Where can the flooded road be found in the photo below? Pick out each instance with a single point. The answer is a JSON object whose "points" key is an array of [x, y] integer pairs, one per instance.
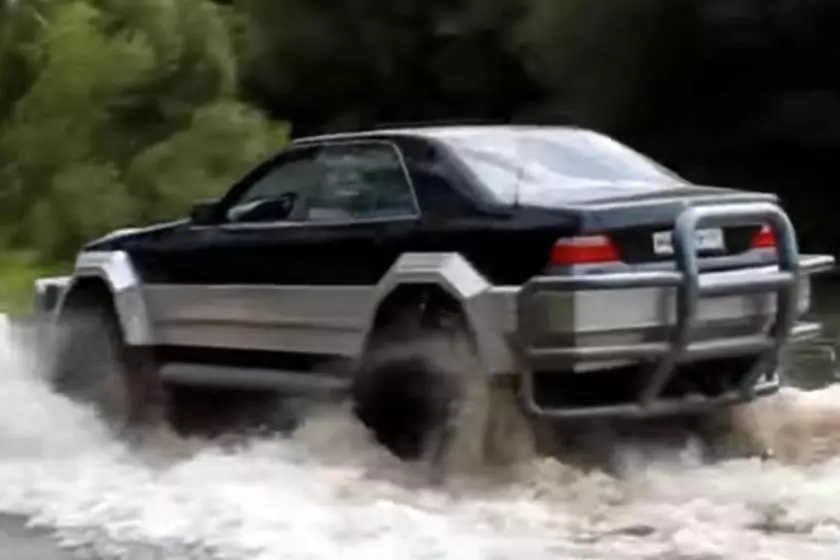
{"points": [[328, 492]]}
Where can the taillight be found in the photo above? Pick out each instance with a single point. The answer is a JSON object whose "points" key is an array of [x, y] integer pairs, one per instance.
{"points": [[764, 238], [583, 250]]}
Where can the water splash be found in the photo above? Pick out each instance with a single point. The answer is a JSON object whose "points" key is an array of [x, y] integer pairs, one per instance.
{"points": [[328, 491]]}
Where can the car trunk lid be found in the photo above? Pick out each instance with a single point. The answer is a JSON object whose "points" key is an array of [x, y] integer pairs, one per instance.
{"points": [[640, 227]]}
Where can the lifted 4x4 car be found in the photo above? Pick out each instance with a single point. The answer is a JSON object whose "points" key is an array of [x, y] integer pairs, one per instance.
{"points": [[403, 267]]}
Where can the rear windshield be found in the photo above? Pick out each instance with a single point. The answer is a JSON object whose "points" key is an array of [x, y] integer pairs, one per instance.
{"points": [[561, 164]]}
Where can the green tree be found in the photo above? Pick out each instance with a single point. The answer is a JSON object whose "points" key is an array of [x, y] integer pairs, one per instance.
{"points": [[118, 112], [355, 63]]}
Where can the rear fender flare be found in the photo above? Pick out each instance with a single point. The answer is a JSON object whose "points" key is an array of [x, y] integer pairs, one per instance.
{"points": [[456, 276]]}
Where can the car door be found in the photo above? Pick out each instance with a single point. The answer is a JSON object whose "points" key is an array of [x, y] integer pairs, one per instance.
{"points": [[292, 263]]}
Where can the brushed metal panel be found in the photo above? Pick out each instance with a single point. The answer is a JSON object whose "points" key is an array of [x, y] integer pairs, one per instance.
{"points": [[322, 319]]}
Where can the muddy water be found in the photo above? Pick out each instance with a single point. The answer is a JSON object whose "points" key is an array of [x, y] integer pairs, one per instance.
{"points": [[328, 492]]}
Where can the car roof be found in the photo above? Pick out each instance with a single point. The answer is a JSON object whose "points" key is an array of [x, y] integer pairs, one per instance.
{"points": [[433, 131]]}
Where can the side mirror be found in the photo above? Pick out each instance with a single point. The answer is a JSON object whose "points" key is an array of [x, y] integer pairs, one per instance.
{"points": [[204, 212]]}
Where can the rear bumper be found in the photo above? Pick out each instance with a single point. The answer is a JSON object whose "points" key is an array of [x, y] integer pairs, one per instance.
{"points": [[666, 320]]}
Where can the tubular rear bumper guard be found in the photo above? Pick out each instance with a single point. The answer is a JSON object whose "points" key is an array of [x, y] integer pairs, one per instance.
{"points": [[690, 286]]}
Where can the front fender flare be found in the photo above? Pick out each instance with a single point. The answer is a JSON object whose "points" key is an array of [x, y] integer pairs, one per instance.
{"points": [[117, 271]]}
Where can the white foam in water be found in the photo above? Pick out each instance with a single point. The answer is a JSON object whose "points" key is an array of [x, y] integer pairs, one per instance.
{"points": [[328, 493]]}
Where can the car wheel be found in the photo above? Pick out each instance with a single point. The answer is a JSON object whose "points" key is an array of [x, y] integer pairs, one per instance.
{"points": [[426, 397], [93, 366]]}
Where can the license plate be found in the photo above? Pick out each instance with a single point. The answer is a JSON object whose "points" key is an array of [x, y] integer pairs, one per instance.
{"points": [[704, 240]]}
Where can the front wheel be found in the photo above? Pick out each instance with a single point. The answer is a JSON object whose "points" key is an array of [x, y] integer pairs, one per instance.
{"points": [[93, 366]]}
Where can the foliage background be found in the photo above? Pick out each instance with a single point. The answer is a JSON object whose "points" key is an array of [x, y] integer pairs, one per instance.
{"points": [[122, 112]]}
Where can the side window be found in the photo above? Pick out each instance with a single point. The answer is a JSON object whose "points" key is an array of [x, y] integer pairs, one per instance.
{"points": [[434, 182], [329, 183], [277, 195], [360, 181]]}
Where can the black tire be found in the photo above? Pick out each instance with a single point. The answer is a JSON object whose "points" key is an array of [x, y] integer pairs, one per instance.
{"points": [[92, 365], [425, 396]]}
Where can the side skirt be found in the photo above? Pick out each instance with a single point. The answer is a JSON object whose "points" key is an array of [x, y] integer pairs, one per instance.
{"points": [[286, 372]]}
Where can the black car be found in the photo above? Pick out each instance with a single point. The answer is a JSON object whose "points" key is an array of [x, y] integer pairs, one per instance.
{"points": [[405, 269]]}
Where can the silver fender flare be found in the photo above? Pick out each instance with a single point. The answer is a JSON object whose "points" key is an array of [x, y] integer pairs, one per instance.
{"points": [[117, 271], [454, 274]]}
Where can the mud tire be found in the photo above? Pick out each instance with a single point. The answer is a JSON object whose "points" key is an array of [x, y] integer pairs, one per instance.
{"points": [[92, 365], [425, 396]]}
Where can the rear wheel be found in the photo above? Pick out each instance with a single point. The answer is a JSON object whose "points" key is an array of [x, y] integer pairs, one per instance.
{"points": [[93, 365], [425, 396]]}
